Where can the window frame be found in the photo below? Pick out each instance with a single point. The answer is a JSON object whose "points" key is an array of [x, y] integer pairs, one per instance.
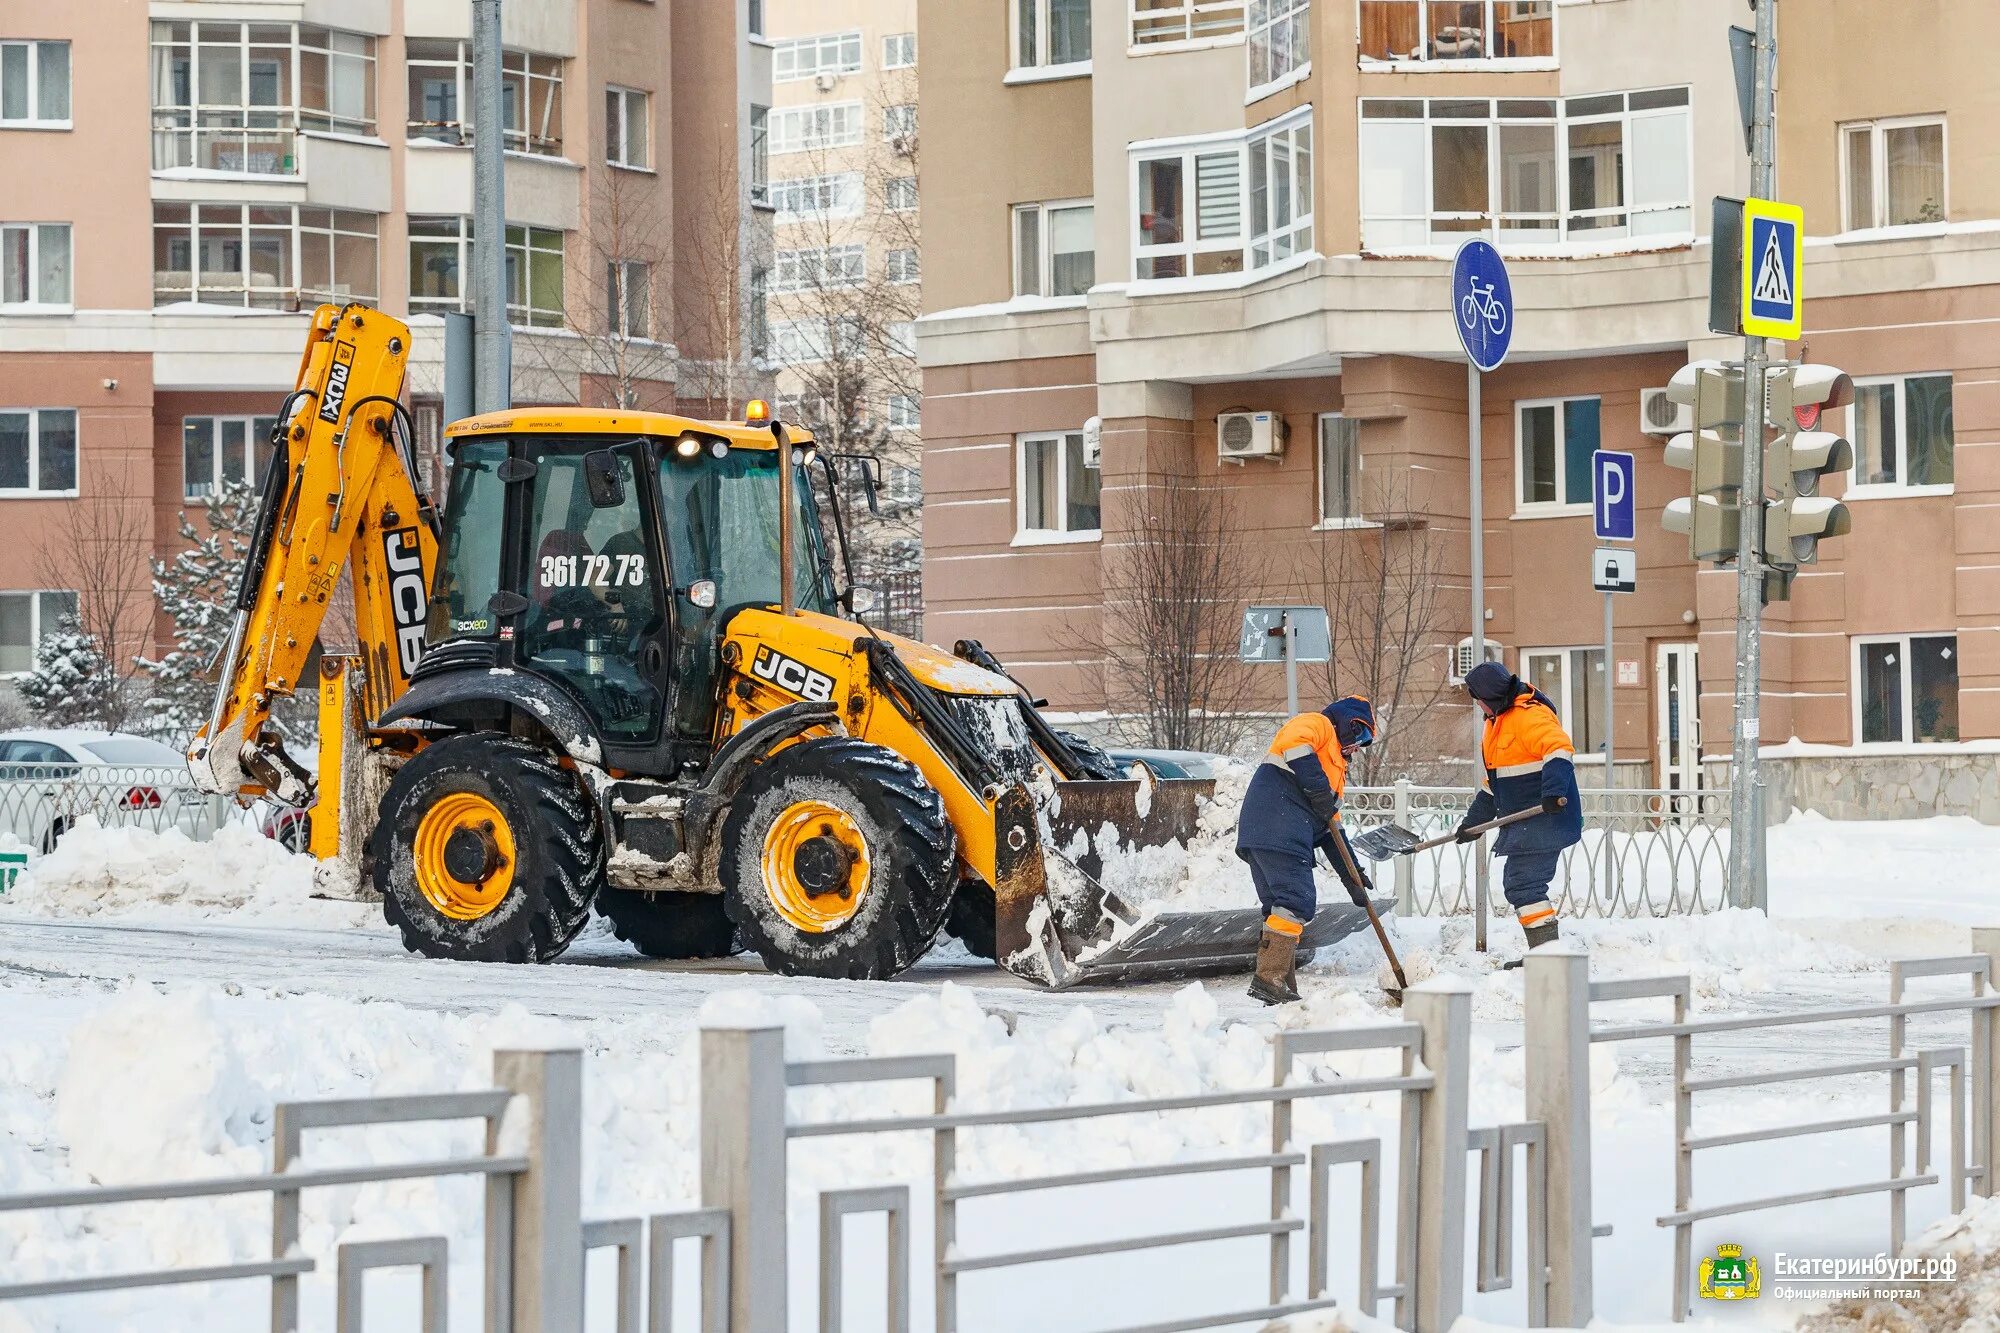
{"points": [[32, 279], [623, 97], [522, 254], [1552, 60], [251, 463], [801, 281], [1045, 285], [179, 127], [1299, 231], [1878, 167], [1027, 536], [1559, 507], [1195, 31], [835, 194], [1566, 707], [899, 194], [1857, 489], [518, 67], [839, 41], [34, 120], [1296, 235], [37, 630], [811, 140], [1274, 12], [894, 130], [34, 490], [903, 411], [618, 287], [1356, 518], [1907, 721], [894, 45], [1040, 64], [906, 260], [298, 294]]}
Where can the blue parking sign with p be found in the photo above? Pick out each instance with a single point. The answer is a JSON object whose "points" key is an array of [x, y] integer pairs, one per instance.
{"points": [[1614, 505]]}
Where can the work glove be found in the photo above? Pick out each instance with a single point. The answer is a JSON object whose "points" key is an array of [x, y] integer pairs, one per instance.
{"points": [[1361, 892], [1551, 804], [1465, 833]]}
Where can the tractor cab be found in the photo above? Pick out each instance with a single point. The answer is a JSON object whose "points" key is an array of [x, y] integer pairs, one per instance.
{"points": [[601, 553]]}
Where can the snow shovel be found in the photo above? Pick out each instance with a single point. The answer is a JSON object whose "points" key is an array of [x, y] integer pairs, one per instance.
{"points": [[1393, 840], [1395, 992]]}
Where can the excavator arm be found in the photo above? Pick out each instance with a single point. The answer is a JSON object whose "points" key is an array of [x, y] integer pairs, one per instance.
{"points": [[341, 488]]}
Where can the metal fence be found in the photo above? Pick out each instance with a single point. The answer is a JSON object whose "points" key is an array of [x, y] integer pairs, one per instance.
{"points": [[1645, 852], [39, 802]]}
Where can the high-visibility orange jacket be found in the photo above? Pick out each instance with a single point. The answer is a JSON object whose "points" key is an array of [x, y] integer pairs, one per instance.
{"points": [[1529, 758]]}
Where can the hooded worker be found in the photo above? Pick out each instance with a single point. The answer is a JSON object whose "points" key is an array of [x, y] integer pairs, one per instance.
{"points": [[1291, 808], [1530, 762]]}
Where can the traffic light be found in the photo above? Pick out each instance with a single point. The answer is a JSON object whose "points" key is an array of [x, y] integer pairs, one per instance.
{"points": [[1798, 519], [1712, 453]]}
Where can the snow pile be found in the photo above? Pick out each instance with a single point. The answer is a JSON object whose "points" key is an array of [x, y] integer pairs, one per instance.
{"points": [[1969, 1301], [124, 872]]}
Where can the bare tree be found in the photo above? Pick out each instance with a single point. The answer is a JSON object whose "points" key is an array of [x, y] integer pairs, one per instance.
{"points": [[1173, 590], [1382, 587], [99, 550], [625, 357], [711, 263]]}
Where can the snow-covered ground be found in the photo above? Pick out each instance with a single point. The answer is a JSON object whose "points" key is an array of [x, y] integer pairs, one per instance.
{"points": [[158, 997]]}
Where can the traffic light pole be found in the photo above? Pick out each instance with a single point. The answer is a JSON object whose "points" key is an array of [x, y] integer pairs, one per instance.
{"points": [[1746, 840]]}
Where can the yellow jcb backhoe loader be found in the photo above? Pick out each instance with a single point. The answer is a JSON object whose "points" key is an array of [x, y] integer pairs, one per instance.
{"points": [[616, 672]]}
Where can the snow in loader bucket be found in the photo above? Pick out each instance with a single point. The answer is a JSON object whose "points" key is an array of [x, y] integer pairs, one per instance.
{"points": [[1058, 923]]}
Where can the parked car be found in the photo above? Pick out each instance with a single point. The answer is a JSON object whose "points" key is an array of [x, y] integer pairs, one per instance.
{"points": [[1175, 763], [288, 826], [51, 779]]}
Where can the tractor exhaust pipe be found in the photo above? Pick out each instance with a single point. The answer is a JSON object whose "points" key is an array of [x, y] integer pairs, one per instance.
{"points": [[787, 599]]}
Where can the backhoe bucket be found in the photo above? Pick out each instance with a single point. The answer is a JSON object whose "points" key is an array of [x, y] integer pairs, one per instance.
{"points": [[1062, 920]]}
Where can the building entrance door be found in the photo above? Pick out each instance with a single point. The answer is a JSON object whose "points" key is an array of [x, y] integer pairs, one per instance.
{"points": [[1677, 701]]}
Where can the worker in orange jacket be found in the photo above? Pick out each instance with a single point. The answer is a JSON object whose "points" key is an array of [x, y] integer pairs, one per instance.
{"points": [[1292, 807]]}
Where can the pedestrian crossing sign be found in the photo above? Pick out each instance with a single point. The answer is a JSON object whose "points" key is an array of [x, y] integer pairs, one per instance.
{"points": [[1773, 251]]}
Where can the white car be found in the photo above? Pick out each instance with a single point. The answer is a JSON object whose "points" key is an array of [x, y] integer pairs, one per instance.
{"points": [[50, 779]]}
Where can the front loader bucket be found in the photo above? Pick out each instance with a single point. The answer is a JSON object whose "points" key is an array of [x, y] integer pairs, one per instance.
{"points": [[1059, 923]]}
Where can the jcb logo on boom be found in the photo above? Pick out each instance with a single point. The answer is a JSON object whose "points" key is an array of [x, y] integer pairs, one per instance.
{"points": [[336, 383], [792, 676], [408, 598]]}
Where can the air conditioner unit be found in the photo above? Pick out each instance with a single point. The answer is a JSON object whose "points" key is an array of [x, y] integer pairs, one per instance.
{"points": [[1093, 443], [1661, 415], [1462, 659], [1241, 435], [824, 82]]}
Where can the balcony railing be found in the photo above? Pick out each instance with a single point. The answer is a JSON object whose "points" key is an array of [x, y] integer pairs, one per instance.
{"points": [[1457, 29], [1158, 22], [225, 144]]}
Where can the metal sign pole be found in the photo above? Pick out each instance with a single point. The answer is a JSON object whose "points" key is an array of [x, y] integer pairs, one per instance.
{"points": [[1610, 752], [1288, 645], [1474, 384]]}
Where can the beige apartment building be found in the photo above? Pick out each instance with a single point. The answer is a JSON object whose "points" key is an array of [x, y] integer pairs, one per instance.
{"points": [[189, 178], [1218, 235], [846, 278]]}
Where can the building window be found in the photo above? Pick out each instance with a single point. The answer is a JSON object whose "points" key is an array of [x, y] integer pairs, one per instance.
{"points": [[760, 154], [1573, 678], [1474, 30], [440, 76], [1058, 494], [232, 96], [34, 85], [903, 488], [756, 18], [1553, 442], [899, 121], [629, 298], [1189, 217], [534, 277], [219, 451], [441, 256], [799, 342], [1055, 249], [1339, 465], [1906, 688], [265, 257], [904, 266], [805, 57], [35, 264], [26, 618], [1533, 171], [899, 50], [1277, 41], [38, 451], [901, 194], [818, 269], [1902, 431], [904, 412], [899, 337], [1892, 172], [804, 198], [1280, 191], [628, 125], [1051, 32], [798, 129], [1158, 22]]}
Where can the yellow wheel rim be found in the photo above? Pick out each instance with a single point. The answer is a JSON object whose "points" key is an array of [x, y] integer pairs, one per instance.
{"points": [[463, 855], [815, 866]]}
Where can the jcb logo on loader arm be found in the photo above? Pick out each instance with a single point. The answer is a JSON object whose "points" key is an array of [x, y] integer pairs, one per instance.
{"points": [[408, 598], [336, 383], [791, 675]]}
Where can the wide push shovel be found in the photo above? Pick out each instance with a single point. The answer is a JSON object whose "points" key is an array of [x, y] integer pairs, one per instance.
{"points": [[1392, 840]]}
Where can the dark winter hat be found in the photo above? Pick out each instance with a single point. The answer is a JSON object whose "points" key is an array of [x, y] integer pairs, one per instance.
{"points": [[1353, 719], [1492, 683]]}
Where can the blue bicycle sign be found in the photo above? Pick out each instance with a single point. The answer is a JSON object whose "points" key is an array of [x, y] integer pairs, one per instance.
{"points": [[1483, 300]]}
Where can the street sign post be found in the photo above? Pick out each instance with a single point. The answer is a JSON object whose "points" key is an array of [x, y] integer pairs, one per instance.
{"points": [[1614, 506], [1614, 479], [1614, 569], [1288, 634], [1482, 310]]}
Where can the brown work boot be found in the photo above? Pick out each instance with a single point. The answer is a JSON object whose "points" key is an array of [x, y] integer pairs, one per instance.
{"points": [[1541, 934], [1277, 979]]}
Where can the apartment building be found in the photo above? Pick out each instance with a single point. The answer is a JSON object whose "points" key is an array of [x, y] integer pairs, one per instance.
{"points": [[846, 277], [191, 177], [1157, 218]]}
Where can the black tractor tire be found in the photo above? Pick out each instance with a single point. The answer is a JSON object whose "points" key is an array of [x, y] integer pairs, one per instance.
{"points": [[670, 924], [911, 850], [559, 850], [1098, 766], [972, 919]]}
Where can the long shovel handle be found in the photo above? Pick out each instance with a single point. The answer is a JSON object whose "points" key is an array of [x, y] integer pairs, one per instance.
{"points": [[1388, 949], [1517, 817]]}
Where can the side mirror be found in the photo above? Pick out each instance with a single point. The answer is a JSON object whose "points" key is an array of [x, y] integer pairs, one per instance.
{"points": [[861, 600], [602, 478]]}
